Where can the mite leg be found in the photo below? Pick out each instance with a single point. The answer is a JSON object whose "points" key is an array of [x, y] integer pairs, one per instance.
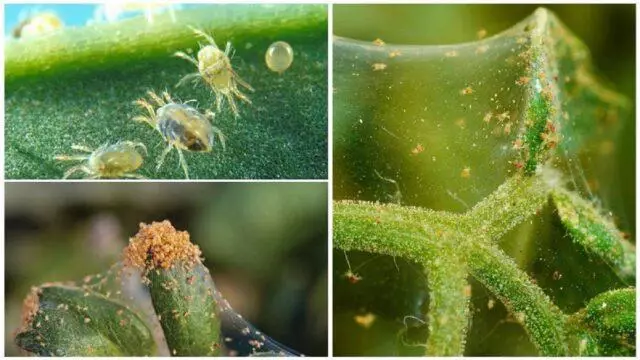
{"points": [[232, 103], [228, 49], [146, 106], [183, 163], [71, 157], [190, 77], [75, 169], [156, 98], [167, 97], [186, 56], [136, 145], [206, 36], [81, 148], [144, 119], [210, 114], [218, 96], [163, 155], [220, 136], [240, 95], [133, 176], [239, 80]]}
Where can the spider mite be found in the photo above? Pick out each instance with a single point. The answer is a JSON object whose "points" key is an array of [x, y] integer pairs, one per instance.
{"points": [[214, 68], [108, 161], [349, 274], [180, 125]]}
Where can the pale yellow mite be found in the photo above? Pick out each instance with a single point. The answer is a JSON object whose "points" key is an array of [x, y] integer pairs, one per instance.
{"points": [[214, 68], [279, 56], [180, 125], [38, 25], [118, 160]]}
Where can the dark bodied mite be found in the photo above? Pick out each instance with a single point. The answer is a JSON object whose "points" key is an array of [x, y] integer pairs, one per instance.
{"points": [[180, 125]]}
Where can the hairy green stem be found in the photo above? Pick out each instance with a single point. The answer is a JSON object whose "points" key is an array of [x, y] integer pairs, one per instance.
{"points": [[183, 299], [513, 202], [526, 301], [596, 234], [446, 244], [606, 326], [385, 229]]}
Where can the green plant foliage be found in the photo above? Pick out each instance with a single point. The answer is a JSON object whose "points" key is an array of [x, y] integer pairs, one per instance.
{"points": [[92, 320], [475, 145], [613, 313], [607, 326], [598, 235], [78, 87], [188, 313], [71, 321]]}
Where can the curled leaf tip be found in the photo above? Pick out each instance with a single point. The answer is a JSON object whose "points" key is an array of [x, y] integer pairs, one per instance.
{"points": [[159, 246]]}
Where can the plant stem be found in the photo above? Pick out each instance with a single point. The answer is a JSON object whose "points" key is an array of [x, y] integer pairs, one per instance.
{"points": [[526, 301], [394, 231], [513, 202], [446, 244]]}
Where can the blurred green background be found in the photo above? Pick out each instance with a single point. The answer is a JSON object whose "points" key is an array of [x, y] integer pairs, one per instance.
{"points": [[607, 30], [265, 244]]}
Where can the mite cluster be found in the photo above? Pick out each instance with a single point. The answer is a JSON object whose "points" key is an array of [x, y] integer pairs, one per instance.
{"points": [[182, 126]]}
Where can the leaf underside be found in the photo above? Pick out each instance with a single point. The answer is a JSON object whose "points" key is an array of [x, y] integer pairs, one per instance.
{"points": [[71, 321], [78, 87]]}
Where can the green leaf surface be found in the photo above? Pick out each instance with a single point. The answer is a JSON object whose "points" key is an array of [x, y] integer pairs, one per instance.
{"points": [[70, 321], [614, 313], [607, 326], [77, 87]]}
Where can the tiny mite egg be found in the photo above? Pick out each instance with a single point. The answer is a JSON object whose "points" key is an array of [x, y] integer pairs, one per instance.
{"points": [[279, 56], [39, 25]]}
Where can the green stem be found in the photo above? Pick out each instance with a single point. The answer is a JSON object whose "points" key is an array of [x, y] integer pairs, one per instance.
{"points": [[596, 234], [448, 307], [441, 243], [394, 231], [513, 202], [526, 301], [183, 298]]}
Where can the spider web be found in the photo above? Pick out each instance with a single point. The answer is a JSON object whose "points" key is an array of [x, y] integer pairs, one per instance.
{"points": [[238, 336]]}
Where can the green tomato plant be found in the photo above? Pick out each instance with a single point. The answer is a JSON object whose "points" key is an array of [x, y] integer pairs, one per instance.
{"points": [[465, 220], [160, 296]]}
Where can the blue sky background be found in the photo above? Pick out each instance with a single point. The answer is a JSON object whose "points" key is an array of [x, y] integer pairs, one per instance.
{"points": [[71, 14]]}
